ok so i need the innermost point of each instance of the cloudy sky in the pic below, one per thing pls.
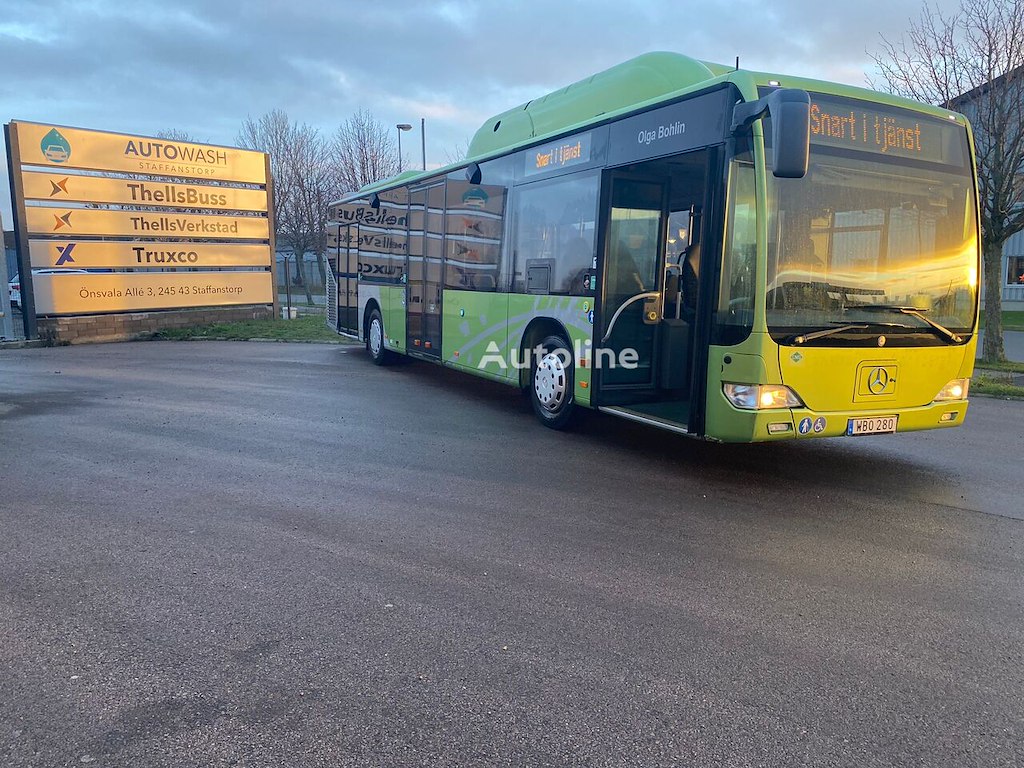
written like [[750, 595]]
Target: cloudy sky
[[202, 67]]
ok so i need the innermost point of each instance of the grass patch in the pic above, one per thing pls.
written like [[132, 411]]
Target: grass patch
[[1007, 366], [986, 384], [303, 328], [1012, 321]]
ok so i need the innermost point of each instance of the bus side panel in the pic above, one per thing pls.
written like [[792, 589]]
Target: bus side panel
[[575, 313], [393, 311], [367, 293], [724, 422], [475, 333]]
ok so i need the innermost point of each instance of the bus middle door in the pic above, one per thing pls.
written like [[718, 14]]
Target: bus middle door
[[425, 277]]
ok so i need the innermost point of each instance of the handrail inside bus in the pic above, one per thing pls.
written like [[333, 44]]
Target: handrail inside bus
[[626, 303]]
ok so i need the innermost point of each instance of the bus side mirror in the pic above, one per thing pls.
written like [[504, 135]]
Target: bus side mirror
[[790, 111]]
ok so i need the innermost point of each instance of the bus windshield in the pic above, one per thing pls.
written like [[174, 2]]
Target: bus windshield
[[873, 242]]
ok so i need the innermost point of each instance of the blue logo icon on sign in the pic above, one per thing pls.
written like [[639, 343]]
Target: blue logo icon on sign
[[805, 427], [590, 316], [65, 254], [55, 147], [819, 424]]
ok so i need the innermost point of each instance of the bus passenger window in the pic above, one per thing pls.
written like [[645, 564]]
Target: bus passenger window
[[474, 224], [555, 224], [396, 240]]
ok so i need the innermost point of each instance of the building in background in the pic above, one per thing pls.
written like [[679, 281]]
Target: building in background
[[1002, 95], [1013, 272]]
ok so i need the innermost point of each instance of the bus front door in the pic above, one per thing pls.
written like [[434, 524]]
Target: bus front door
[[626, 346], [654, 225]]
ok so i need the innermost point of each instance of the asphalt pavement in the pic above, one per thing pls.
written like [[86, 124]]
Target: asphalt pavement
[[246, 554]]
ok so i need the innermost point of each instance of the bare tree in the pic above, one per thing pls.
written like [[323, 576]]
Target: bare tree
[[312, 187], [286, 143], [973, 61], [310, 171], [271, 133], [458, 153], [364, 152], [176, 134]]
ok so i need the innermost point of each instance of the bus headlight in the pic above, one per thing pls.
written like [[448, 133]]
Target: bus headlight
[[757, 397], [956, 390]]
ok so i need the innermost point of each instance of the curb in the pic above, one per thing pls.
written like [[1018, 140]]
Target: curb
[[23, 344], [341, 341]]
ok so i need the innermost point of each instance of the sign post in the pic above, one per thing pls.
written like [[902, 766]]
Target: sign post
[[28, 304], [123, 223]]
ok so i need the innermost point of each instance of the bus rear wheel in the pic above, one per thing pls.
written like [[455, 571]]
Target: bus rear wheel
[[375, 339], [552, 382]]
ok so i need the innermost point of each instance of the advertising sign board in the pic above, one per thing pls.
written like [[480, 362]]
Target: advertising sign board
[[59, 146], [90, 254], [90, 221], [89, 293], [193, 222], [140, 192]]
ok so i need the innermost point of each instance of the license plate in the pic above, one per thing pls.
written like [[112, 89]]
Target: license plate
[[872, 425]]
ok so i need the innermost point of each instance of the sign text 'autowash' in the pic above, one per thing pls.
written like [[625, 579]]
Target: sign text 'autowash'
[[162, 157]]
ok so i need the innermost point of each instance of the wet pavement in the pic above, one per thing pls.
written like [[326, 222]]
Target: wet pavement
[[278, 554]]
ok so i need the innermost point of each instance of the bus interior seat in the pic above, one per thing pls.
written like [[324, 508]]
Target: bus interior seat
[[672, 295], [483, 281]]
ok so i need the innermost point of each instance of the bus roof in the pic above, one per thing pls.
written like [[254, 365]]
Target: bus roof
[[646, 77], [642, 81]]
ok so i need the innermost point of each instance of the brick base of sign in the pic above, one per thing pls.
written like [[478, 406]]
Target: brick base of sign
[[89, 329]]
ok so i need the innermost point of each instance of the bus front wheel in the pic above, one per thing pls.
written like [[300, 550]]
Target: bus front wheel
[[375, 339], [552, 382]]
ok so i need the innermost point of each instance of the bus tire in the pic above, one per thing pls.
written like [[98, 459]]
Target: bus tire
[[375, 339], [552, 383]]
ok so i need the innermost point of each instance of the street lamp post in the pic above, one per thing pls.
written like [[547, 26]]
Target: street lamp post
[[423, 140], [401, 127]]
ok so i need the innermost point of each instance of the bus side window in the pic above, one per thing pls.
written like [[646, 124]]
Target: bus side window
[[397, 240], [735, 311], [475, 228], [555, 225]]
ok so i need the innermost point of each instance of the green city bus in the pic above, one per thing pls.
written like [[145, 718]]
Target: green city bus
[[726, 254]]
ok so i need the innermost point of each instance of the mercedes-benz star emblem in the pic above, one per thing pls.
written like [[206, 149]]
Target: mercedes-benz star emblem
[[878, 381]]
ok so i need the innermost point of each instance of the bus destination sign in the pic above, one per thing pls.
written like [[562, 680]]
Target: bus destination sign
[[557, 155], [886, 131]]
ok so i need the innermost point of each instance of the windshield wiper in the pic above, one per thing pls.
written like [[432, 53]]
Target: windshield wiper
[[801, 338], [940, 330], [841, 327]]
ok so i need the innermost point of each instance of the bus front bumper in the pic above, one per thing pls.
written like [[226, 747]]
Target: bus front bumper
[[801, 423]]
